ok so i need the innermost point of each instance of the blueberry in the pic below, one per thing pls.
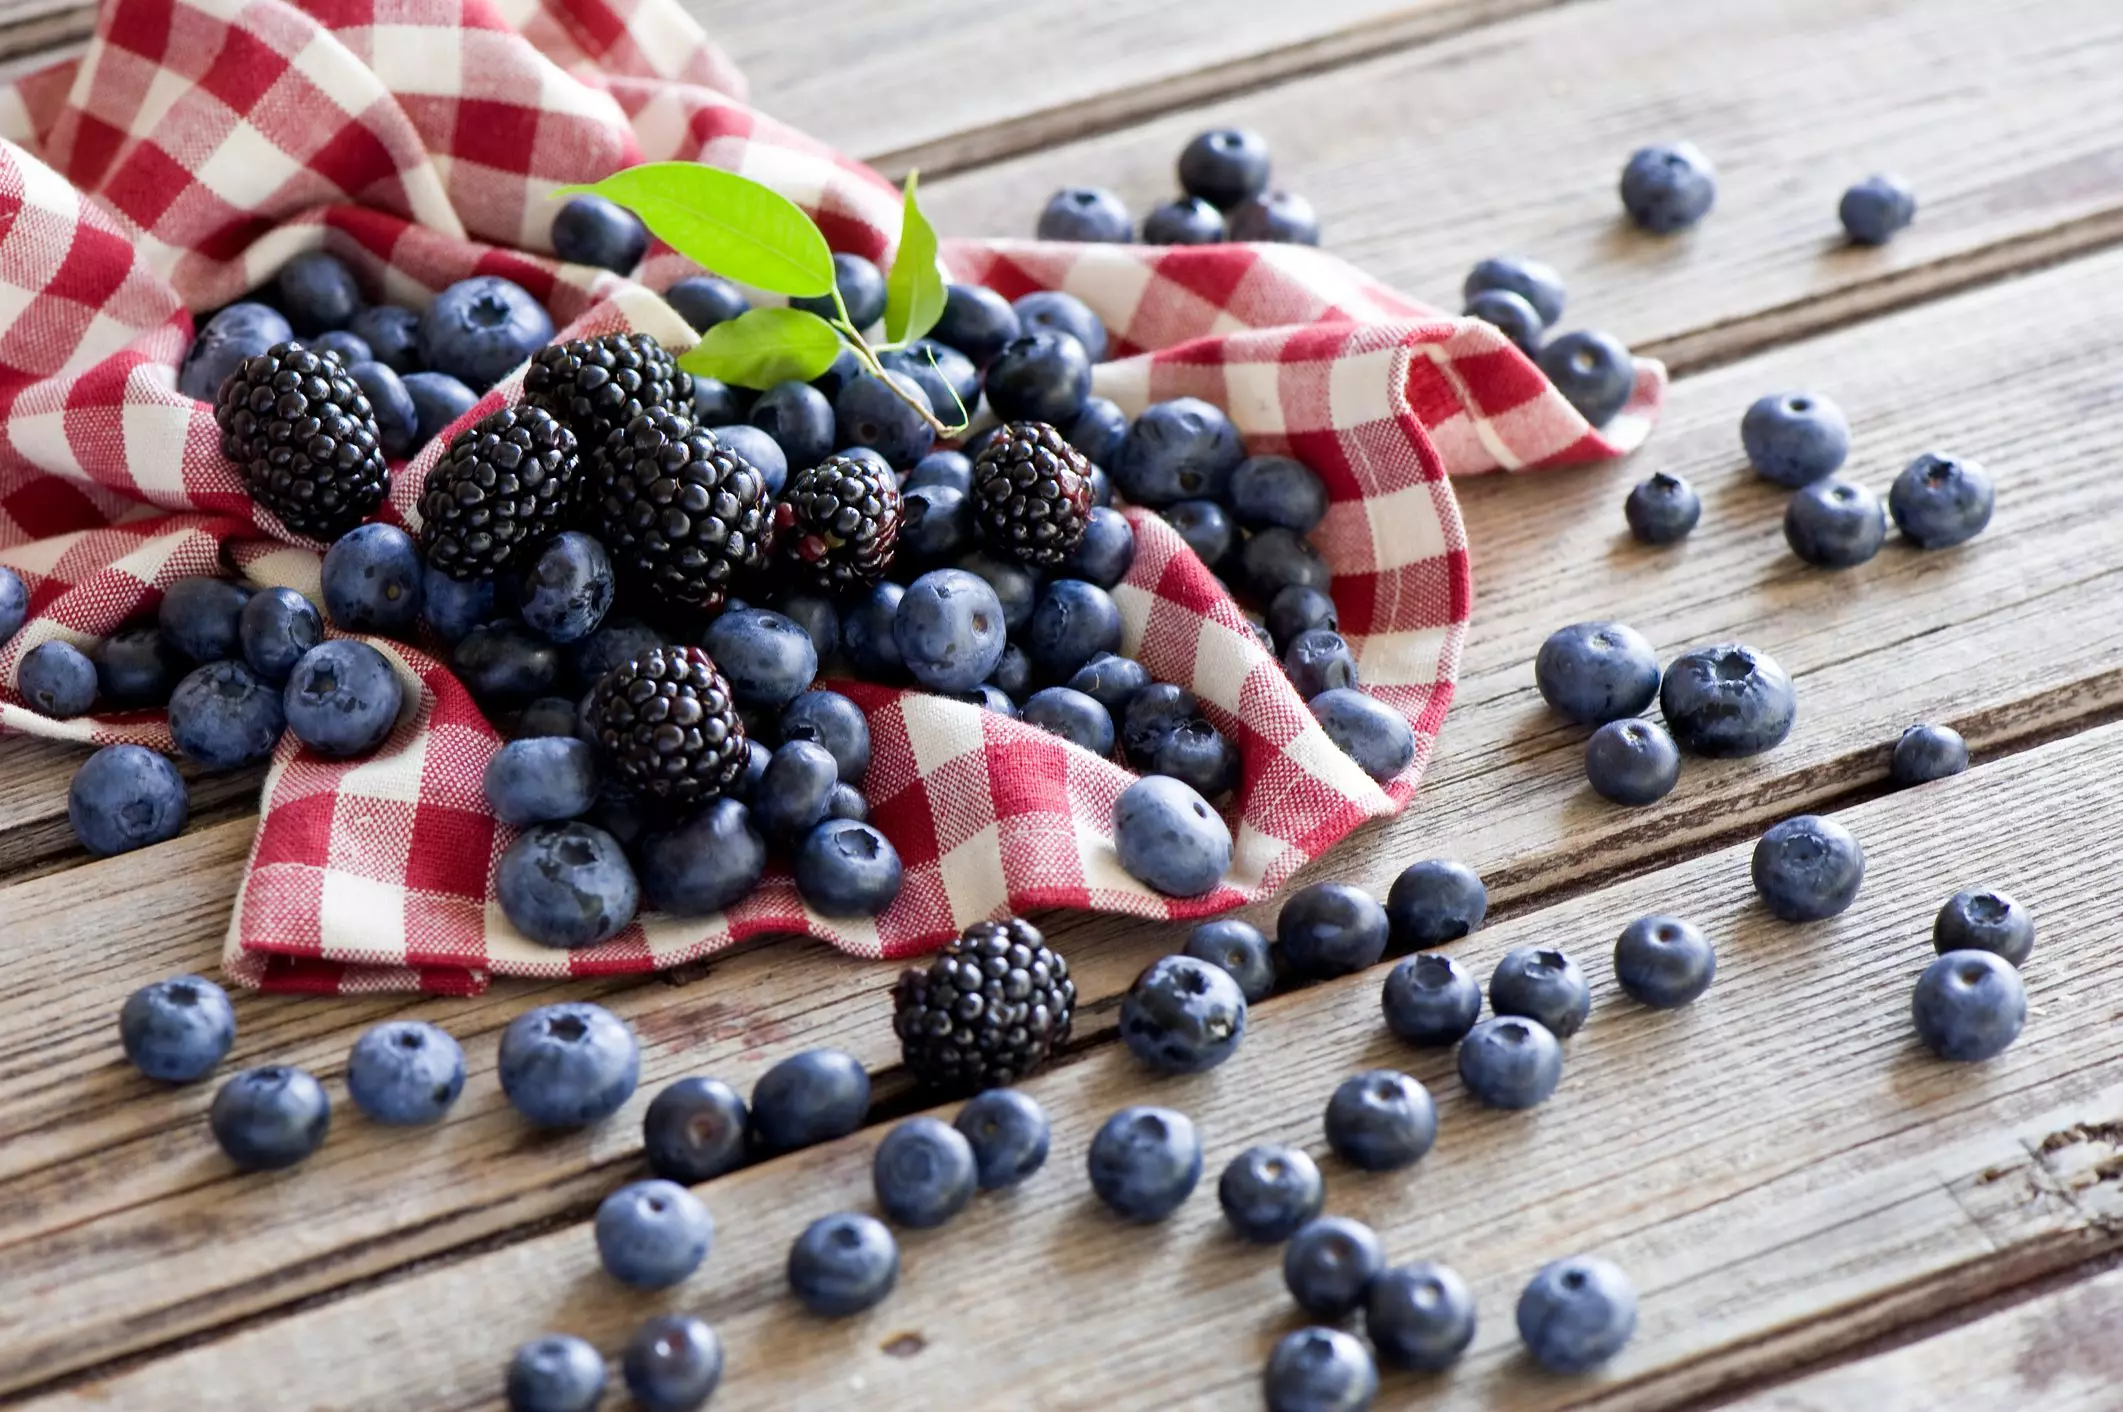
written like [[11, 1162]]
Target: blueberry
[[1186, 221], [1331, 929], [478, 329], [1970, 1005], [372, 581], [505, 664], [1074, 622], [948, 470], [1224, 166], [1268, 1193], [568, 1065], [1152, 713], [1274, 559], [1113, 682], [438, 400], [694, 1130], [202, 618], [556, 1373], [1633, 762], [1144, 1163], [589, 230], [866, 634], [1013, 673], [718, 405], [1511, 315], [800, 419], [1016, 587], [318, 292], [834, 722], [397, 420], [56, 679], [1279, 216], [1053, 311], [1874, 209], [949, 382], [793, 793], [990, 697], [704, 301], [923, 1173], [342, 699], [1380, 1120], [869, 412], [1726, 701], [1508, 1061], [1240, 950], [862, 292], [1367, 730], [240, 331], [176, 1030], [566, 885], [811, 1097], [1664, 962], [222, 716], [1834, 524], [546, 779], [1795, 438], [1319, 1370], [1420, 1316], [1435, 901], [547, 716], [1575, 1314], [843, 1264], [1073, 716], [1940, 501], [1040, 376], [14, 603], [1318, 659], [976, 321], [1009, 1135], [767, 658], [1183, 1016], [1276, 492], [125, 797], [344, 346], [1204, 526], [568, 588], [757, 757], [621, 639], [269, 1118], [1984, 920], [1098, 430], [1592, 370], [1329, 1265], [1668, 188], [392, 333], [949, 629], [405, 1072], [136, 667], [1540, 983], [1662, 509], [1532, 280], [1808, 868], [1185, 449], [1198, 755], [1105, 553], [1927, 752], [1431, 1000], [1168, 837], [652, 1234], [673, 1363]]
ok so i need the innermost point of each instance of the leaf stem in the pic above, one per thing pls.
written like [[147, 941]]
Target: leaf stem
[[919, 400]]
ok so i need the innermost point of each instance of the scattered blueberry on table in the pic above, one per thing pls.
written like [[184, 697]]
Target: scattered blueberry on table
[[555, 1373], [1795, 438], [1509, 1061], [405, 1072], [1329, 1264], [843, 1264], [1009, 1135], [1319, 1370], [652, 1234], [1145, 1162], [1597, 672], [1419, 1316], [924, 1172], [1380, 1120], [1875, 209], [270, 1117], [1925, 752], [1632, 762], [178, 1030], [1183, 1016], [1662, 508], [1577, 1313], [1431, 1000], [1664, 962], [672, 1363], [1267, 1193], [1969, 1005], [1833, 524], [1984, 919], [1808, 868]]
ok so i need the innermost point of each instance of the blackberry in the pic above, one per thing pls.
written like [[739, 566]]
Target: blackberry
[[681, 515], [305, 438], [502, 489], [1032, 493], [598, 385], [838, 523], [988, 1010], [667, 727]]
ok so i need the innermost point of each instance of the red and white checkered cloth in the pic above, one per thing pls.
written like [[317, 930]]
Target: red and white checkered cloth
[[195, 147]]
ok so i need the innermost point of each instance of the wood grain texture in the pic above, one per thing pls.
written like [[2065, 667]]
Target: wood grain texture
[[1512, 137], [2014, 635], [1780, 1168]]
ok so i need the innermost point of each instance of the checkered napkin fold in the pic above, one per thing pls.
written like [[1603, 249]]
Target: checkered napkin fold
[[195, 147]]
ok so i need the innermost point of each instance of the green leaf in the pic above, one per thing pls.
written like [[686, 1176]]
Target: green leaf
[[762, 347], [914, 293], [725, 223]]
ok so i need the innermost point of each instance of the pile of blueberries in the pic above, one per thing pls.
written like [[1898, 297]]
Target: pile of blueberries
[[1223, 178]]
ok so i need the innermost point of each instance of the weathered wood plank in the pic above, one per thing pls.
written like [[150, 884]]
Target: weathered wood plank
[[1512, 137], [1780, 1168], [2012, 636]]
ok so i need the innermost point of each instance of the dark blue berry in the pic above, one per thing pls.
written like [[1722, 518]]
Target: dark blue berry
[[438, 401], [1726, 701], [1508, 1061], [56, 679], [704, 301], [547, 716], [800, 419], [342, 699], [240, 331], [318, 292], [346, 347], [1276, 491], [923, 1173], [1532, 280], [1073, 716], [1664, 962], [177, 1030], [566, 885], [1431, 1000], [866, 634], [1013, 673], [1186, 221], [1183, 1016], [767, 658], [202, 618], [125, 797], [1592, 370], [1144, 1163], [710, 861], [1275, 558], [1152, 712], [224, 717], [1970, 1005], [14, 603], [1298, 611], [836, 723], [1283, 217], [372, 581], [135, 667], [717, 404], [1016, 586], [1367, 730], [405, 1072], [568, 588], [1040, 376], [1435, 901], [1329, 1265], [479, 329], [1059, 312], [1420, 1316], [1662, 509], [694, 1130], [1268, 1193], [397, 419], [1318, 660], [1940, 501], [1106, 552], [990, 697], [976, 321], [1009, 1135], [793, 793], [950, 629], [870, 413], [946, 376], [1085, 213], [757, 757], [1926, 753], [862, 291], [392, 333], [1834, 524], [652, 1234], [1206, 528], [1541, 983], [589, 230], [1168, 837], [545, 779], [1331, 929], [1185, 449], [1633, 762], [1240, 949], [1808, 868], [673, 1363], [1984, 920], [1224, 166], [1576, 1314], [1199, 755], [568, 1065], [1511, 315], [811, 1097], [1113, 682], [1794, 438], [1074, 622], [1873, 210], [1668, 188], [843, 1264], [1381, 1120], [556, 1373], [620, 640], [505, 664], [1098, 430], [948, 470], [1319, 1370], [269, 1118]]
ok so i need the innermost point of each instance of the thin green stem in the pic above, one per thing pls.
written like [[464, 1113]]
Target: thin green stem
[[918, 400]]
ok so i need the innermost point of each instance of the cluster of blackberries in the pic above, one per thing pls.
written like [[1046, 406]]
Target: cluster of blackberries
[[1224, 175]]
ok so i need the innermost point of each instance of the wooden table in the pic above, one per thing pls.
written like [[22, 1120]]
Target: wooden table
[[1817, 1214]]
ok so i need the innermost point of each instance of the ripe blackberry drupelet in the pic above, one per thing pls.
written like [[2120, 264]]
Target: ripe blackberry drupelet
[[305, 438], [1032, 493], [504, 487], [667, 727], [987, 1011], [598, 385], [838, 523], [681, 515]]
